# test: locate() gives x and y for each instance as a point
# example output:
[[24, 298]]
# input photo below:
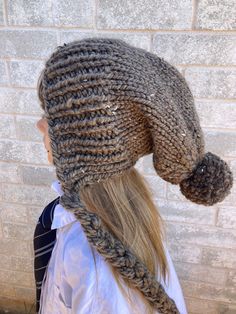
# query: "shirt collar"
[[61, 217]]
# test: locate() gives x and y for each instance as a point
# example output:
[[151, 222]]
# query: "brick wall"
[[198, 37]]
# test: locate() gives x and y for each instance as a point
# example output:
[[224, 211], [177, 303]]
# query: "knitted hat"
[[107, 104]]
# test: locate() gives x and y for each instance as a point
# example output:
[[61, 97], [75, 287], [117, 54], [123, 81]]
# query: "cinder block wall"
[[198, 37]]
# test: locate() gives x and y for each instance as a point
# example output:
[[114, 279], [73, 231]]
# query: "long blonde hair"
[[125, 205]]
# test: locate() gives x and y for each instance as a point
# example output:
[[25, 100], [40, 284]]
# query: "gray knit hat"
[[107, 104]]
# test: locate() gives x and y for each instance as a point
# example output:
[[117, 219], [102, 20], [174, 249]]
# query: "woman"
[[106, 104]]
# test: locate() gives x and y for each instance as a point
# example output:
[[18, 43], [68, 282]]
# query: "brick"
[[5, 261], [151, 14], [231, 282], [3, 73], [36, 43], [216, 15], [25, 73], [16, 247], [221, 143], [16, 278], [186, 212], [182, 252], [9, 172], [197, 306], [148, 168], [219, 257], [25, 294], [27, 130], [216, 113], [157, 185], [19, 101], [1, 231], [14, 213], [6, 291], [180, 69], [211, 83], [26, 194], [77, 13], [227, 217], [231, 198], [174, 193], [16, 263], [37, 175], [33, 213], [7, 127], [214, 49], [208, 291], [25, 152], [232, 164], [18, 231], [200, 235], [139, 166], [201, 273], [1, 13], [12, 306], [31, 249], [30, 13], [23, 264], [227, 308], [44, 13], [140, 40]]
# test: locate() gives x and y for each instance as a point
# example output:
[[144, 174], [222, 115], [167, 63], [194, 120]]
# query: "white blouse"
[[69, 284]]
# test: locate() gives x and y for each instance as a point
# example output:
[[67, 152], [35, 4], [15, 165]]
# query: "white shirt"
[[69, 284]]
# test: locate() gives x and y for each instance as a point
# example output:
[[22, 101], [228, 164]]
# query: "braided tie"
[[120, 257]]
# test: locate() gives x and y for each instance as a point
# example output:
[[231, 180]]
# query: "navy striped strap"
[[44, 240]]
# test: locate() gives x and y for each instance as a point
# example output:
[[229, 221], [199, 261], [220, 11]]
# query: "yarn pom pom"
[[209, 183]]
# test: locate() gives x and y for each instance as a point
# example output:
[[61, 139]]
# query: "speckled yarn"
[[108, 104]]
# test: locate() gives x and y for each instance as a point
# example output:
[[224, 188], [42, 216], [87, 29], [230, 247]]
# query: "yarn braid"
[[120, 257]]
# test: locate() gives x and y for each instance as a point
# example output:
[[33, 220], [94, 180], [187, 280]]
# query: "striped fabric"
[[44, 240]]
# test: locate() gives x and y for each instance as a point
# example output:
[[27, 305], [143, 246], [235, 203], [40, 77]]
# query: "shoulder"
[[76, 253], [75, 239], [82, 264], [90, 279]]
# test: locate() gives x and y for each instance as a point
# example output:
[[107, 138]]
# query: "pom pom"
[[209, 183]]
